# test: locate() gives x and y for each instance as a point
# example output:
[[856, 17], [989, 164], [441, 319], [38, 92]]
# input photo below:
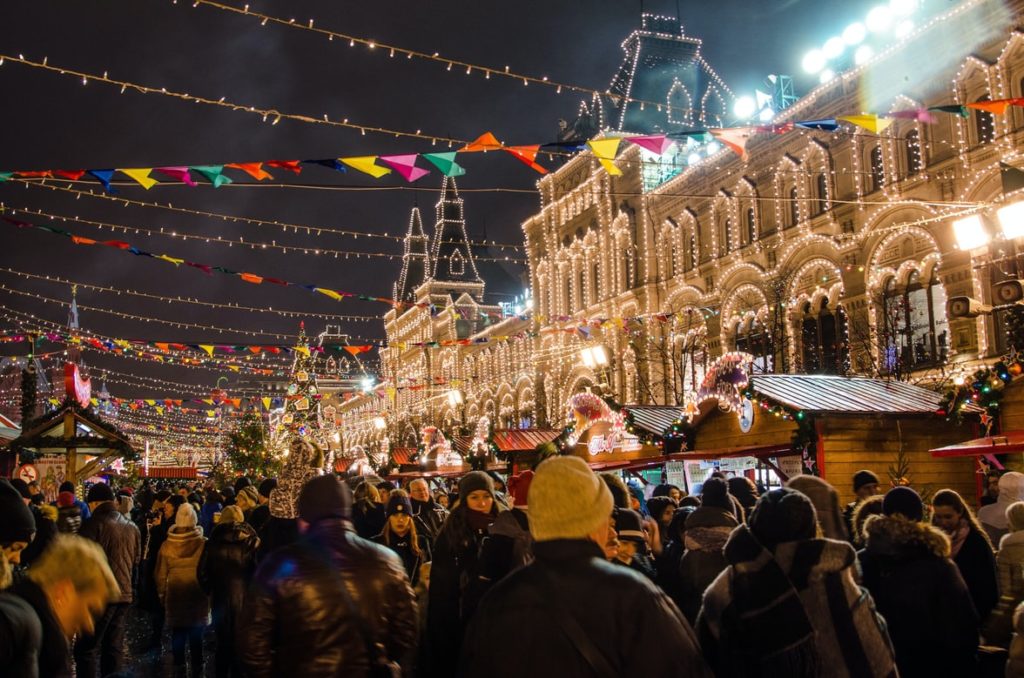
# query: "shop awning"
[[845, 395], [176, 472], [403, 455], [759, 451], [523, 440], [1011, 441], [654, 419]]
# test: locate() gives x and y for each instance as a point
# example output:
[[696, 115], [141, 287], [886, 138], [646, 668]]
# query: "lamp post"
[[596, 358]]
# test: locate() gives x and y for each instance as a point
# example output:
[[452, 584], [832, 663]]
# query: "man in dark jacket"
[[46, 529], [578, 614], [905, 566], [316, 606], [119, 538], [428, 514]]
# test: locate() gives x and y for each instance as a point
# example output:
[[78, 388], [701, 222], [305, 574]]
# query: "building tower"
[[415, 260], [664, 68], [453, 269]]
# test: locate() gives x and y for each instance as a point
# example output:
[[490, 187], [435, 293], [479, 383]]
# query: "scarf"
[[478, 522], [764, 596], [958, 538]]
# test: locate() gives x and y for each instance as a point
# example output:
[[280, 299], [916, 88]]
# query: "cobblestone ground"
[[157, 663]]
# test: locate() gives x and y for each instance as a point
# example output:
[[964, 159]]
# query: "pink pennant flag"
[[918, 114], [179, 173], [406, 166], [657, 144], [735, 138]]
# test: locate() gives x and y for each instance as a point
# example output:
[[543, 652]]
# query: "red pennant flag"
[[255, 349], [290, 165], [74, 175], [119, 244], [35, 175], [528, 156]]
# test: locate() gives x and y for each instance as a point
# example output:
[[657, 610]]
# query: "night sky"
[[52, 121]]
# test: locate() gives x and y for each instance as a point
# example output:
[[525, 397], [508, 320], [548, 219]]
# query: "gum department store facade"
[[823, 252]]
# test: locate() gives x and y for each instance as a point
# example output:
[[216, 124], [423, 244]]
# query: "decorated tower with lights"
[[415, 260], [302, 399]]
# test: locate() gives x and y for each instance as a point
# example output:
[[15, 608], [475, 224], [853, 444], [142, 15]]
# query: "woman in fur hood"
[[905, 565]]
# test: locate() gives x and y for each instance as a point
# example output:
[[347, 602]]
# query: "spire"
[[415, 259], [73, 311], [452, 259]]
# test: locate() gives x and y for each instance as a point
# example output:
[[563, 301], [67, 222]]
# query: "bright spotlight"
[[368, 383], [766, 114], [863, 53], [713, 147], [879, 19], [904, 28], [744, 108], [814, 61], [693, 159], [826, 76], [833, 47], [970, 232], [854, 34], [903, 7], [1011, 218]]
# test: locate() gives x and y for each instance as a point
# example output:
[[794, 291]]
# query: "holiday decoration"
[[434, 444], [979, 394]]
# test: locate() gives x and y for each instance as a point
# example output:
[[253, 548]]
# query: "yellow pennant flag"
[[208, 348], [159, 410], [304, 350], [604, 150], [151, 403], [330, 293], [141, 176], [870, 122], [266, 403], [234, 368], [391, 393], [176, 262], [366, 164], [211, 413]]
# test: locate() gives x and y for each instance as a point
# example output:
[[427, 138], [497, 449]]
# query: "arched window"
[[751, 226], [728, 236], [794, 207], [594, 290], [877, 169], [821, 191], [915, 331], [693, 247], [914, 160], [754, 338], [585, 297], [984, 124], [823, 345]]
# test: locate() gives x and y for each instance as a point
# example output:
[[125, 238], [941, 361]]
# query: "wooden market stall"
[[835, 426]]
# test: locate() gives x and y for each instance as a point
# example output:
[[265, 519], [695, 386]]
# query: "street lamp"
[[380, 423], [971, 233], [1011, 220], [594, 356], [455, 397]]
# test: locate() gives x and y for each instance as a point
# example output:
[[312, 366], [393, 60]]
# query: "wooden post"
[[70, 452]]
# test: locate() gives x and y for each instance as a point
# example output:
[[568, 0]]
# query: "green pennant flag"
[[212, 173], [955, 109], [4, 176], [445, 163]]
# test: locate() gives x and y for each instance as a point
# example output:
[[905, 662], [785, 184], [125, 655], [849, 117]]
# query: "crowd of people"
[[561, 572]]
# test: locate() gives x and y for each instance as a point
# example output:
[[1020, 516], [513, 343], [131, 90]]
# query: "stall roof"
[[176, 472], [520, 440], [1011, 441], [654, 419], [403, 455], [845, 395]]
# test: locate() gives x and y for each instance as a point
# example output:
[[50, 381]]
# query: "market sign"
[[614, 441]]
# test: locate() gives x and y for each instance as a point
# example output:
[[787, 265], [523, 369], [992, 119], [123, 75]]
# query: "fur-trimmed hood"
[[896, 537]]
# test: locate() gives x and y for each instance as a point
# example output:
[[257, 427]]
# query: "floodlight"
[[813, 61], [903, 7], [904, 28], [879, 19], [380, 423], [970, 232], [713, 147], [1011, 220], [367, 383], [854, 34], [826, 76], [743, 108], [863, 54], [833, 47], [766, 115], [693, 159]]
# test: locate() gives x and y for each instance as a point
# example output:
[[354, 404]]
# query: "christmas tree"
[[302, 401], [249, 451]]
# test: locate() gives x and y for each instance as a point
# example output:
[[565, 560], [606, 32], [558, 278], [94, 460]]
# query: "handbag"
[[579, 639]]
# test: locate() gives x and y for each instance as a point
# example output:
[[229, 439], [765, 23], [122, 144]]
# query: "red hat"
[[66, 499], [126, 491], [519, 486]]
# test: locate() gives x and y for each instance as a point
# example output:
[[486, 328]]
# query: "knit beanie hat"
[[231, 514], [629, 525], [715, 492], [567, 501], [186, 518], [66, 499], [904, 501], [386, 486], [519, 486], [324, 497], [862, 478], [268, 486], [249, 492], [67, 486], [22, 487], [16, 520], [1015, 516], [99, 492], [398, 502], [473, 481], [781, 516], [241, 483]]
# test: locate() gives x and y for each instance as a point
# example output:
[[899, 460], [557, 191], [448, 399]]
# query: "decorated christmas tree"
[[302, 401]]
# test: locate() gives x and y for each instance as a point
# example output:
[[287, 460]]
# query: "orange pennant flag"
[[163, 346], [484, 142], [998, 106], [251, 278], [735, 138], [356, 350], [79, 240], [527, 155], [253, 169]]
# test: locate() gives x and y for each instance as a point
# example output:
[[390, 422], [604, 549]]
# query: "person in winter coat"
[[105, 651], [69, 516], [667, 490], [667, 564], [1010, 567], [46, 530], [428, 514], [662, 509], [305, 461], [620, 493], [247, 499], [457, 581], [68, 486], [745, 492], [970, 549], [368, 515], [401, 535], [225, 569], [213, 505], [826, 504], [707, 530], [872, 506], [865, 484], [318, 607], [788, 604], [261, 514], [632, 549], [905, 565], [509, 544], [186, 606], [573, 614], [993, 516]]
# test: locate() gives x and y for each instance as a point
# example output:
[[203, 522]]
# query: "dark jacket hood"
[[902, 539]]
